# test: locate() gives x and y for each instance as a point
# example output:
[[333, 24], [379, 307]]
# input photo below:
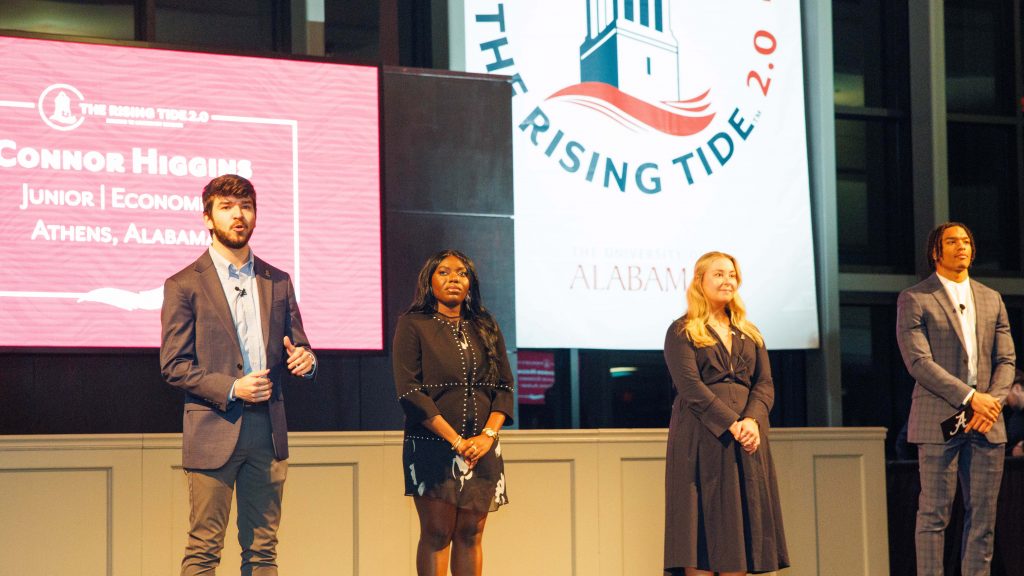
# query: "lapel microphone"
[[242, 293], [962, 307]]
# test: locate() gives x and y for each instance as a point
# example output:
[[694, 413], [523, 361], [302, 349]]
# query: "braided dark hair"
[[934, 244], [472, 311]]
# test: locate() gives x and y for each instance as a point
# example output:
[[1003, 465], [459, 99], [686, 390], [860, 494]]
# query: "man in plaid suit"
[[954, 336]]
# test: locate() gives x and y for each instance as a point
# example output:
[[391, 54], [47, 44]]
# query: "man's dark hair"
[[934, 244], [227, 185]]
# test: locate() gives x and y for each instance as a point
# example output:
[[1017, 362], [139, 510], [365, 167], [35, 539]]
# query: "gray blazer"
[[933, 349], [200, 354]]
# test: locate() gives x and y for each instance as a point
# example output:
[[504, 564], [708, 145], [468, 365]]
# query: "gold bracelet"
[[457, 443]]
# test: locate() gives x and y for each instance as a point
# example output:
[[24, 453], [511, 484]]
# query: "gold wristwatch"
[[490, 433]]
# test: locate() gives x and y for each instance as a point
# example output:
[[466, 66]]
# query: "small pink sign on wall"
[[536, 374]]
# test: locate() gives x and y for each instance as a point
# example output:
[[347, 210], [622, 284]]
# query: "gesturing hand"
[[300, 359], [254, 387], [1018, 449]]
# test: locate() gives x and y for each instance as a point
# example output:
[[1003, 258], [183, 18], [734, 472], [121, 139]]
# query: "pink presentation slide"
[[104, 152]]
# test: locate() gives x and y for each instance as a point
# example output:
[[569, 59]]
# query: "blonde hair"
[[694, 324]]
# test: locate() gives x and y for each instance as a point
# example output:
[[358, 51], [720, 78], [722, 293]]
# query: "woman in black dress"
[[722, 510], [455, 386]]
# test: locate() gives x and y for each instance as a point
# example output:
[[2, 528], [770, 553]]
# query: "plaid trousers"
[[979, 465]]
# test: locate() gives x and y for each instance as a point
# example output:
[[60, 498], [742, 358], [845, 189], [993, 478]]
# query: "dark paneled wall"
[[447, 183]]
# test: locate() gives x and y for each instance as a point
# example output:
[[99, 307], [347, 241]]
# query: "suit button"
[[240, 366]]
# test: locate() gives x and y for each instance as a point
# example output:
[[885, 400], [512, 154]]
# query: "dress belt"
[[730, 381]]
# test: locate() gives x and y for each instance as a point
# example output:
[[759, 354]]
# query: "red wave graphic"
[[631, 111], [696, 98]]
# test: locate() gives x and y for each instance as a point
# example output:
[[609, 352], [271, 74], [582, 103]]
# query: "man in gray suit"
[[955, 339], [231, 329]]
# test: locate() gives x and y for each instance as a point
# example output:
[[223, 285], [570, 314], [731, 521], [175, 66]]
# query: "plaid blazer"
[[933, 349]]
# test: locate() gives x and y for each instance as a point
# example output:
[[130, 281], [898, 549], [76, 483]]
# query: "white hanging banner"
[[646, 133]]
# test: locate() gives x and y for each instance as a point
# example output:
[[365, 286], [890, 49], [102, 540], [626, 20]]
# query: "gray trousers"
[[979, 466], [259, 479]]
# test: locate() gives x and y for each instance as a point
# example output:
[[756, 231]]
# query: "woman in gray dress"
[[722, 511], [454, 384]]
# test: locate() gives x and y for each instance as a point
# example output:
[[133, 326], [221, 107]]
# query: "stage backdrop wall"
[[447, 183], [582, 502]]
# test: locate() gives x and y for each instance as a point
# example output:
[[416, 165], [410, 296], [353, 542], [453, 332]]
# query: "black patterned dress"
[[439, 367]]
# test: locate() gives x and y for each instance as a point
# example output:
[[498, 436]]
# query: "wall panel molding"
[[582, 502]]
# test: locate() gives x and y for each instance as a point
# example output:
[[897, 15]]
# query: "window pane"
[[623, 389], [979, 58], [870, 50], [983, 191], [1015, 312], [235, 24], [876, 385], [114, 20], [633, 389], [874, 196], [352, 31]]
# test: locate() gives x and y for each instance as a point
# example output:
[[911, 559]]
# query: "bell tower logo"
[[57, 105], [644, 96], [629, 71]]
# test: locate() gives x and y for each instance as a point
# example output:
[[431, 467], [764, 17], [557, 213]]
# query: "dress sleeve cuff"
[[967, 399]]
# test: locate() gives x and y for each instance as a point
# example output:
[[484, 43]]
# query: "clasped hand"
[[986, 411], [254, 387], [473, 449], [747, 433]]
